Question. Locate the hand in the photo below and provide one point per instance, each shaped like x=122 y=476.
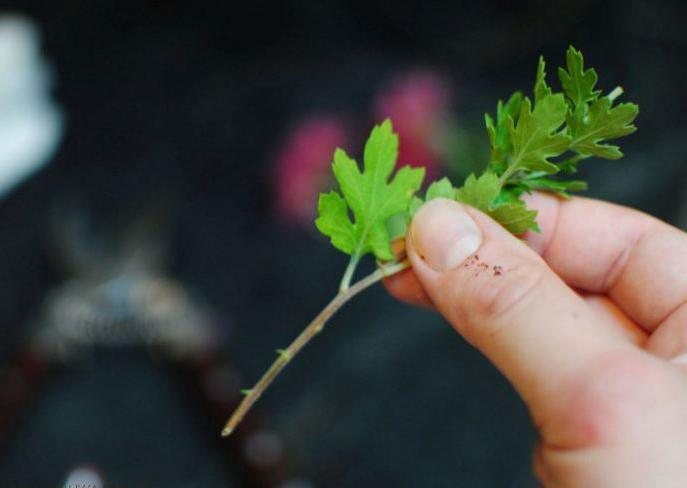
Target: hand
x=587 y=320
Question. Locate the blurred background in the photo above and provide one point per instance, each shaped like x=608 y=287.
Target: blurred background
x=159 y=167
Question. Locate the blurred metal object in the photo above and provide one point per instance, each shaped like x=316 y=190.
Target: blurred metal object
x=118 y=296
x=126 y=310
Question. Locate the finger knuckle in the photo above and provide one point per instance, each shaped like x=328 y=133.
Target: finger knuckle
x=612 y=396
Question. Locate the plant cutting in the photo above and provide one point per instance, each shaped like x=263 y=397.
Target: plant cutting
x=534 y=141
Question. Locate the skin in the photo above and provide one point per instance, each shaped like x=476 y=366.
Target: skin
x=587 y=320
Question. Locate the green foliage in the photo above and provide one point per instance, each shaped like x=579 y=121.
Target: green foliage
x=577 y=82
x=439 y=189
x=369 y=195
x=499 y=132
x=552 y=135
x=397 y=225
x=515 y=217
x=592 y=119
x=532 y=142
x=536 y=136
x=602 y=122
x=480 y=192
x=541 y=89
x=483 y=193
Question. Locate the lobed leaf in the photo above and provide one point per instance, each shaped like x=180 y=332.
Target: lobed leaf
x=604 y=123
x=541 y=89
x=537 y=137
x=577 y=82
x=480 y=192
x=372 y=196
x=515 y=217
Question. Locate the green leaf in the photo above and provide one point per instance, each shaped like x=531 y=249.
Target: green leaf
x=541 y=89
x=592 y=119
x=415 y=205
x=372 y=196
x=602 y=123
x=537 y=137
x=498 y=131
x=577 y=82
x=398 y=224
x=333 y=221
x=440 y=189
x=511 y=108
x=561 y=187
x=480 y=192
x=569 y=165
x=503 y=205
x=515 y=217
x=510 y=193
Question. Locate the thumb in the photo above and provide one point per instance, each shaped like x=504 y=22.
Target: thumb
x=504 y=299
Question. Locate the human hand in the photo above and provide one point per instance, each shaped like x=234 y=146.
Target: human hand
x=587 y=320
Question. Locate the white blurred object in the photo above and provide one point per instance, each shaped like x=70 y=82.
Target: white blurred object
x=84 y=477
x=30 y=123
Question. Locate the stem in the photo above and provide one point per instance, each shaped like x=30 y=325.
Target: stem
x=314 y=328
x=617 y=91
x=348 y=274
x=507 y=174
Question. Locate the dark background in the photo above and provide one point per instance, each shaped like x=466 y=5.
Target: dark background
x=187 y=102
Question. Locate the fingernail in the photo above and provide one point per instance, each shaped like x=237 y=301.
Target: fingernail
x=443 y=234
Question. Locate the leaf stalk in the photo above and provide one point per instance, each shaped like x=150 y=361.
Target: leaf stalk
x=348 y=273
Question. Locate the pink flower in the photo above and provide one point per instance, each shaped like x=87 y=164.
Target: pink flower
x=303 y=166
x=418 y=104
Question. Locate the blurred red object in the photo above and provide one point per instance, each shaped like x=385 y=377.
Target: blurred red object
x=303 y=166
x=418 y=104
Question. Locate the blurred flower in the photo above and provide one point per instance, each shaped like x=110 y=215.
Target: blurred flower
x=303 y=166
x=418 y=105
x=30 y=123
